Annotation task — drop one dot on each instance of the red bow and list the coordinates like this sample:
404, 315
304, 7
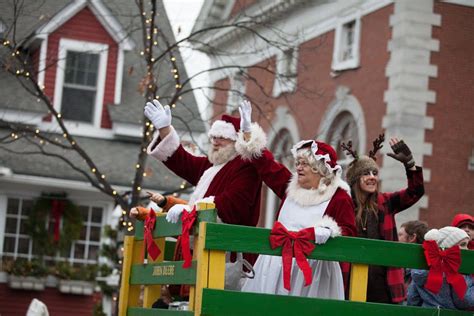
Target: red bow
188, 220
152, 248
57, 209
298, 243
444, 262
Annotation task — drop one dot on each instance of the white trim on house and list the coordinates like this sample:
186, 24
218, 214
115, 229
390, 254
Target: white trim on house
105, 17
127, 130
408, 95
237, 90
111, 24
43, 57
119, 76
3, 218
82, 46
338, 61
29, 118
344, 102
467, 3
286, 72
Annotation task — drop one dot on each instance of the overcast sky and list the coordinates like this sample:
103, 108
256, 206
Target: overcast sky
182, 15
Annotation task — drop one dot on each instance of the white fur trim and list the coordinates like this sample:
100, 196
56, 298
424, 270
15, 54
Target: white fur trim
209, 199
314, 148
204, 183
223, 129
166, 147
254, 147
329, 222
323, 193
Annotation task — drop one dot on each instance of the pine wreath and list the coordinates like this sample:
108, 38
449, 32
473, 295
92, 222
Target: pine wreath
45, 240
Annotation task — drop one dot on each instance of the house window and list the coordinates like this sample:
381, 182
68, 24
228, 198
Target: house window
80, 86
346, 45
17, 242
286, 73
237, 91
348, 33
86, 248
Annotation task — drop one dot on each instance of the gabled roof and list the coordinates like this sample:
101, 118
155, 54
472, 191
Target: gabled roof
101, 12
38, 15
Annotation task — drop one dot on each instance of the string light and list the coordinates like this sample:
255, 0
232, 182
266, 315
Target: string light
139, 188
173, 58
93, 170
114, 192
59, 115
137, 165
103, 176
144, 174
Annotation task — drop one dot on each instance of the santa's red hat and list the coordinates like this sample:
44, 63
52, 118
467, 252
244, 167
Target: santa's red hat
320, 151
226, 127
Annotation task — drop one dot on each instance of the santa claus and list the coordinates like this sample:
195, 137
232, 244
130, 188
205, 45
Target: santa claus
223, 177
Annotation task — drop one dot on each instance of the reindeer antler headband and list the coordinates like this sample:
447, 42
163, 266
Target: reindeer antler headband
377, 145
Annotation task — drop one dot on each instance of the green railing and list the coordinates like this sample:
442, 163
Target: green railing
360, 252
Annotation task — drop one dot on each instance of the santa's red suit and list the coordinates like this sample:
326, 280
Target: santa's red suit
235, 185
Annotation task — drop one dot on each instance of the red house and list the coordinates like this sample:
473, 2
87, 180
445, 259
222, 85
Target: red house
86, 57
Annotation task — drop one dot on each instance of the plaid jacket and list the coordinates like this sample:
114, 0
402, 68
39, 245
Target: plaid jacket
390, 204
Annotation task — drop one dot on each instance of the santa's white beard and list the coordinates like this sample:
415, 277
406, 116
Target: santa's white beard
221, 155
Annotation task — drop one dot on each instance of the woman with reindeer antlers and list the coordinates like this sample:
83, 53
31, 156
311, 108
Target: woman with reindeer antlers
375, 211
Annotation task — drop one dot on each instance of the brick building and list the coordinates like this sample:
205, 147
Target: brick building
350, 70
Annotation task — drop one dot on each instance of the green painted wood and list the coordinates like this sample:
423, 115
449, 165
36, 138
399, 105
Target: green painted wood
170, 272
346, 249
229, 303
169, 249
165, 229
139, 311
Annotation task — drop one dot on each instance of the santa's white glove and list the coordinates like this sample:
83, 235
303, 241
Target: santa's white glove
175, 211
245, 109
159, 115
321, 234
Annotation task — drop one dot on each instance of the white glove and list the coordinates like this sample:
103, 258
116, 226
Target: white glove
245, 109
160, 116
175, 211
321, 234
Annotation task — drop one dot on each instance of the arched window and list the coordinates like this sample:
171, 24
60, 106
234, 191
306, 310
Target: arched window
342, 130
281, 149
342, 122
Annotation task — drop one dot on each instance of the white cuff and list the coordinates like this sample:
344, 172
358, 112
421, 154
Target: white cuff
331, 224
166, 147
254, 147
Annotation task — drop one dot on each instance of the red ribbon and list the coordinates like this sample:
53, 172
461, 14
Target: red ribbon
298, 243
188, 220
149, 243
445, 262
57, 209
